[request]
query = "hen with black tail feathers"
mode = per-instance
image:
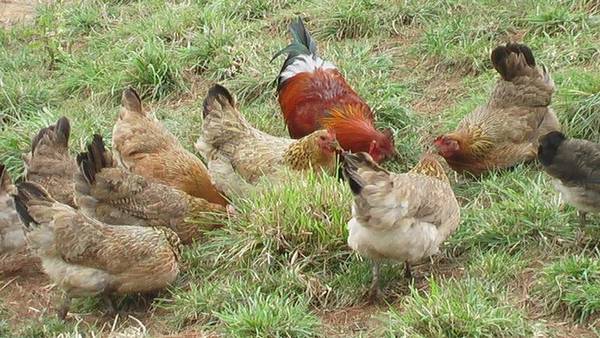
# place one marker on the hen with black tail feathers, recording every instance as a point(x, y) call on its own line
point(398, 217)
point(504, 132)
point(114, 195)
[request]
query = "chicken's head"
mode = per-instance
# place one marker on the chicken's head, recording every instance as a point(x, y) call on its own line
point(446, 145)
point(327, 141)
point(382, 147)
point(548, 147)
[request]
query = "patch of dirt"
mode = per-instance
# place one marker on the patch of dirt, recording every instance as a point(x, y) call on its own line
point(440, 91)
point(15, 11)
point(348, 322)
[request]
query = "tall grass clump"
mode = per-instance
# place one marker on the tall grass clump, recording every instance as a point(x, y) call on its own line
point(571, 285)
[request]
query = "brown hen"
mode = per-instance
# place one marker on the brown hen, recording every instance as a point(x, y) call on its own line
point(113, 195)
point(86, 257)
point(505, 131)
point(49, 163)
point(145, 147)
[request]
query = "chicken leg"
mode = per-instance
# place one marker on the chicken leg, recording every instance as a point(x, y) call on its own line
point(110, 305)
point(407, 271)
point(374, 291)
point(64, 308)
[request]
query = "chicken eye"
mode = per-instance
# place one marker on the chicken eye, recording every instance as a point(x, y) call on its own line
point(322, 138)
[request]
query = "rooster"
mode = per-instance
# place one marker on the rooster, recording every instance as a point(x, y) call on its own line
point(313, 95)
point(505, 131)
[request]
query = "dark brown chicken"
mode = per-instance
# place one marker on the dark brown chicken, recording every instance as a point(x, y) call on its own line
point(574, 166)
point(49, 162)
point(113, 195)
point(505, 131)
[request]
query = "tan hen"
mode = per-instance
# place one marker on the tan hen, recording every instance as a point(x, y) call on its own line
point(145, 147)
point(86, 257)
point(398, 217)
point(238, 154)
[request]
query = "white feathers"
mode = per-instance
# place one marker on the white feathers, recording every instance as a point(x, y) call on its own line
point(305, 63)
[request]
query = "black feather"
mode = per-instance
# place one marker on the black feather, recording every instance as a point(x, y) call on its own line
point(500, 55)
point(94, 160)
point(302, 44)
point(217, 93)
point(548, 147)
point(350, 174)
point(26, 193)
point(22, 211)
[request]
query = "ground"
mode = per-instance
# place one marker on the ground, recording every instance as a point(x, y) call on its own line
point(514, 267)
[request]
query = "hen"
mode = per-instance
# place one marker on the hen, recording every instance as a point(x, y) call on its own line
point(113, 195)
point(505, 131)
point(399, 217)
point(86, 257)
point(314, 95)
point(49, 162)
point(12, 237)
point(574, 166)
point(146, 148)
point(238, 154)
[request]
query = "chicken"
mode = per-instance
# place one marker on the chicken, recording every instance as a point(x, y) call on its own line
point(145, 147)
point(86, 257)
point(49, 162)
point(574, 166)
point(314, 95)
point(113, 195)
point(398, 217)
point(505, 131)
point(238, 154)
point(12, 237)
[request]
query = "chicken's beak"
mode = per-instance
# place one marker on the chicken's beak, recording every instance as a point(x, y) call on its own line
point(335, 145)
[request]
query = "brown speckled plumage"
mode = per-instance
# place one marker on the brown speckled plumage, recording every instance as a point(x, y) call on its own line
point(505, 131)
point(237, 152)
point(49, 162)
point(113, 195)
point(145, 147)
point(86, 257)
point(12, 237)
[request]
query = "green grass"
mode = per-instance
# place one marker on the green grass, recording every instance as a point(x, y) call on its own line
point(572, 285)
point(465, 308)
point(273, 270)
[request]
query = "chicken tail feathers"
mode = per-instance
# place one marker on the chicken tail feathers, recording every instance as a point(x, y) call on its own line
point(29, 193)
point(302, 44)
point(218, 98)
point(350, 172)
point(131, 101)
point(4, 178)
point(512, 60)
point(94, 160)
point(56, 134)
